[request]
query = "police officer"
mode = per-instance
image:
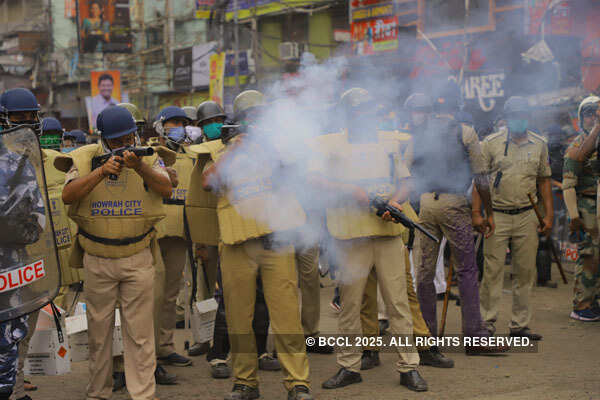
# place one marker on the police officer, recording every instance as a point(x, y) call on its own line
point(72, 140)
point(362, 240)
point(18, 107)
point(116, 219)
point(447, 157)
point(517, 160)
point(170, 124)
point(249, 248)
point(580, 182)
point(210, 118)
point(52, 132)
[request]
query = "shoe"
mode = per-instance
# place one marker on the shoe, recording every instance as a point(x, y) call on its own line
point(319, 349)
point(242, 392)
point(548, 284)
point(162, 377)
point(587, 315)
point(369, 360)
point(198, 349)
point(335, 304)
point(180, 325)
point(525, 332)
point(490, 328)
point(343, 378)
point(300, 392)
point(485, 350)
point(413, 381)
point(118, 381)
point(384, 325)
point(176, 360)
point(28, 386)
point(434, 358)
point(266, 362)
point(220, 371)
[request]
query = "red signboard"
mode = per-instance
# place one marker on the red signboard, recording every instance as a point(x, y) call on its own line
point(375, 35)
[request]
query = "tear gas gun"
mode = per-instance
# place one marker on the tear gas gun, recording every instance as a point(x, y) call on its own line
point(231, 129)
point(381, 206)
point(99, 161)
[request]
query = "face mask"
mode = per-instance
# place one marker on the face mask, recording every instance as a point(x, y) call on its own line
point(67, 149)
point(518, 125)
point(212, 130)
point(193, 132)
point(176, 134)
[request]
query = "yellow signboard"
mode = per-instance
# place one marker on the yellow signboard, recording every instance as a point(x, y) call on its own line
point(217, 72)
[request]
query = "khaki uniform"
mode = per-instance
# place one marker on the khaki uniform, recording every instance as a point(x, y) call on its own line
point(174, 248)
point(584, 178)
point(523, 165)
point(118, 272)
point(248, 249)
point(364, 241)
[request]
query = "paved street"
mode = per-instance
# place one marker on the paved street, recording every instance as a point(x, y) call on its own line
point(565, 367)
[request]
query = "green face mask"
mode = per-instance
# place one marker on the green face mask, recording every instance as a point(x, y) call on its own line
point(51, 141)
point(517, 125)
point(212, 130)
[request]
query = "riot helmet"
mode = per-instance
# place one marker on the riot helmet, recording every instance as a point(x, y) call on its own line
point(516, 114)
point(19, 107)
point(588, 108)
point(247, 104)
point(210, 118)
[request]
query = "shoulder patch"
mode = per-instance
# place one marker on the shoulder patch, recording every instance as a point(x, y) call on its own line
point(537, 136)
point(493, 136)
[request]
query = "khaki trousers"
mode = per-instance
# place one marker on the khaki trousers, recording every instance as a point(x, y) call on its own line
point(174, 254)
point(19, 388)
point(129, 281)
point(371, 308)
point(307, 261)
point(357, 258)
point(240, 265)
point(522, 228)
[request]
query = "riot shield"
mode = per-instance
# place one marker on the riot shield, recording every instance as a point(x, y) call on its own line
point(29, 266)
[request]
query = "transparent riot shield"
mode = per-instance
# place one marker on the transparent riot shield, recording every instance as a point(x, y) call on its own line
point(29, 266)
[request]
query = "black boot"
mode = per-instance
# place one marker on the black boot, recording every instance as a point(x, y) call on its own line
point(300, 392)
point(413, 381)
point(242, 392)
point(343, 378)
point(118, 381)
point(162, 377)
point(369, 360)
point(434, 358)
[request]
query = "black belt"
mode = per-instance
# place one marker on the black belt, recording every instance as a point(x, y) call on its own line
point(177, 202)
point(114, 242)
point(589, 196)
point(514, 211)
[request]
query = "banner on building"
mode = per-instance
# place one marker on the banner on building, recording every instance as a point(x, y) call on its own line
point(70, 8)
point(201, 64)
point(370, 11)
point(181, 99)
point(243, 68)
point(217, 72)
point(104, 26)
point(182, 69)
point(106, 91)
point(251, 8)
point(375, 35)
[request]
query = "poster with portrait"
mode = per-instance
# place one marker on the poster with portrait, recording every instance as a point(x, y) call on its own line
point(106, 91)
point(104, 26)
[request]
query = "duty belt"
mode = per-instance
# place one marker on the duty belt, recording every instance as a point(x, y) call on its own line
point(114, 242)
point(588, 196)
point(514, 211)
point(177, 202)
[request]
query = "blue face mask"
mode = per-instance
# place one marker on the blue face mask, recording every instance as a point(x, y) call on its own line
point(212, 130)
point(177, 134)
point(517, 125)
point(67, 149)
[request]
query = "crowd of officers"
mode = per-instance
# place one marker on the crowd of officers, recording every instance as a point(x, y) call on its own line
point(136, 219)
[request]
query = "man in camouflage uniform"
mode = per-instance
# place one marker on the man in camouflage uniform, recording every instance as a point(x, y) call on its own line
point(580, 181)
point(17, 107)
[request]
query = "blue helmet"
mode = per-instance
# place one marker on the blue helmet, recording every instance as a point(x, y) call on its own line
point(516, 104)
point(114, 122)
point(464, 117)
point(18, 100)
point(171, 112)
point(77, 135)
point(51, 124)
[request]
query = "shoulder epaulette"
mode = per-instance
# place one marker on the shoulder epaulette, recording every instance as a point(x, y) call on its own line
point(538, 136)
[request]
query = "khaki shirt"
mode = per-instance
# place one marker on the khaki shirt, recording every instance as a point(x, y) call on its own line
point(523, 165)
